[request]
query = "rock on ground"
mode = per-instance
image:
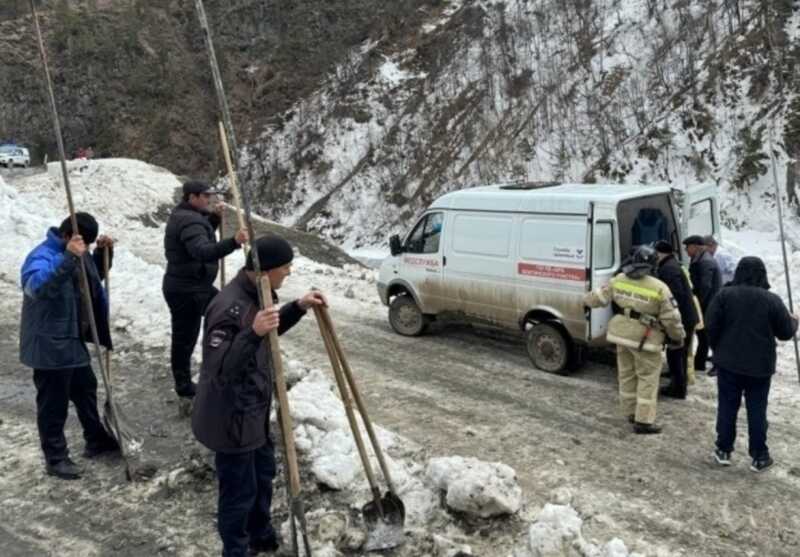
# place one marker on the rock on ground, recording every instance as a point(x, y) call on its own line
point(475, 487)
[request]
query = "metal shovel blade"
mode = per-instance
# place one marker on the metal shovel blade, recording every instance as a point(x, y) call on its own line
point(386, 531)
point(118, 425)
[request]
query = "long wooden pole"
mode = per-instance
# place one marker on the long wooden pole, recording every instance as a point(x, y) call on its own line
point(296, 507)
point(84, 278)
point(779, 204)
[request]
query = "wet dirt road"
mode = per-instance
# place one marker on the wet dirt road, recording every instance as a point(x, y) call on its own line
point(456, 391)
point(469, 392)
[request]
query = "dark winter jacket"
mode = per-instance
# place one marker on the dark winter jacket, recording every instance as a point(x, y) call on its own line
point(53, 329)
point(234, 393)
point(743, 321)
point(192, 250)
point(670, 273)
point(706, 278)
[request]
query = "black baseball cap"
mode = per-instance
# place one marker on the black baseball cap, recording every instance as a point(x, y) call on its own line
point(694, 240)
point(197, 187)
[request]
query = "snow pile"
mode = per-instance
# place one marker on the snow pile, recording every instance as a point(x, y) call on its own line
point(557, 533)
point(475, 487)
point(323, 436)
point(122, 194)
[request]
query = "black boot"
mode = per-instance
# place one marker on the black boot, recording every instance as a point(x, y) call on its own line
point(186, 390)
point(264, 545)
point(106, 445)
point(672, 392)
point(64, 469)
point(645, 429)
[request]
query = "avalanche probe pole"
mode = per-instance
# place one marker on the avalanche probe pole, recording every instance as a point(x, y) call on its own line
point(779, 203)
point(296, 507)
point(84, 277)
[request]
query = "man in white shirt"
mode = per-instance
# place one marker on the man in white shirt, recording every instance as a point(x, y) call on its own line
point(725, 260)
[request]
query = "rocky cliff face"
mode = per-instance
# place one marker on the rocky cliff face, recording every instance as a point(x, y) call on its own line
point(354, 114)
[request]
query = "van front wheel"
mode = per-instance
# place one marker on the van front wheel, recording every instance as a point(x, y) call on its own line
point(406, 318)
point(548, 348)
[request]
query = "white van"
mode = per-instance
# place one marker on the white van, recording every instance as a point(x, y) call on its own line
point(523, 256)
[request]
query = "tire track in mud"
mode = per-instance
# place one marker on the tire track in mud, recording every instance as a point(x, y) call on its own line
point(474, 393)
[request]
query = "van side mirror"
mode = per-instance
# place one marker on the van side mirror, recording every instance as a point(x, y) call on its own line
point(395, 247)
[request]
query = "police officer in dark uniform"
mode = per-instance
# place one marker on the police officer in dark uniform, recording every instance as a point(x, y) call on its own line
point(234, 393)
point(193, 254)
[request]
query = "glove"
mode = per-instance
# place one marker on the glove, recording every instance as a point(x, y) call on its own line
point(675, 345)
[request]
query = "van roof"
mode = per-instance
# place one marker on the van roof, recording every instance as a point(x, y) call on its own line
point(562, 198)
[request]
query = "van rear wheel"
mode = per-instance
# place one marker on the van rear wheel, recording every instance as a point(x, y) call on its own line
point(406, 318)
point(548, 348)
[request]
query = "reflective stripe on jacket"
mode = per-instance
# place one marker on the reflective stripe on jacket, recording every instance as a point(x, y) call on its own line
point(647, 296)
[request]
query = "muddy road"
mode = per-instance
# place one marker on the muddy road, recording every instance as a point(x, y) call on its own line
point(472, 392)
point(456, 391)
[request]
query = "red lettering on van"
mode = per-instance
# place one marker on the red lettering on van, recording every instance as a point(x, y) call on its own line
point(421, 261)
point(551, 272)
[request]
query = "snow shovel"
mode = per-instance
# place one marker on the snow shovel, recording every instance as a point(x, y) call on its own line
point(384, 517)
point(114, 419)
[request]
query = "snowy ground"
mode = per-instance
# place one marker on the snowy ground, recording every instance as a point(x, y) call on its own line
point(454, 505)
point(578, 484)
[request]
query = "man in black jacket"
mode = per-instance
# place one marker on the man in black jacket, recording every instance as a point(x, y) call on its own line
point(234, 394)
point(743, 321)
point(193, 254)
point(706, 280)
point(671, 273)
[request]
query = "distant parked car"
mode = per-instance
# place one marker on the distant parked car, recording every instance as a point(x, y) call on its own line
point(14, 156)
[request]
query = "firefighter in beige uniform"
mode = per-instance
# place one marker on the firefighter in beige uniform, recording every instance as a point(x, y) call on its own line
point(645, 314)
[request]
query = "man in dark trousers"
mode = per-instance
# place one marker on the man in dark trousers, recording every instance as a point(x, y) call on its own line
point(193, 255)
point(232, 407)
point(53, 331)
point(670, 272)
point(706, 280)
point(743, 321)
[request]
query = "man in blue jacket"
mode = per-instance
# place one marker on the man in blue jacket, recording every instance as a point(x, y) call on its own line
point(743, 321)
point(53, 332)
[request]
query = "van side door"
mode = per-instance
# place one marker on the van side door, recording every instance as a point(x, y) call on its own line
point(603, 261)
point(479, 274)
point(422, 261)
point(700, 212)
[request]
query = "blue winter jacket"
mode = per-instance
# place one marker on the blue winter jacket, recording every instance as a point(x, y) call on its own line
point(51, 334)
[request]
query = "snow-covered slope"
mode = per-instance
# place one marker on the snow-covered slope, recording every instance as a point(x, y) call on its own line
point(610, 90)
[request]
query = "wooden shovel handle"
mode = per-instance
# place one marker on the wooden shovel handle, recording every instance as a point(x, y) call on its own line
point(107, 279)
point(362, 408)
point(284, 417)
point(226, 152)
point(347, 401)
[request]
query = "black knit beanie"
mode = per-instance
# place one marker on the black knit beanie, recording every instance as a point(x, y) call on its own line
point(87, 227)
point(273, 252)
point(663, 247)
